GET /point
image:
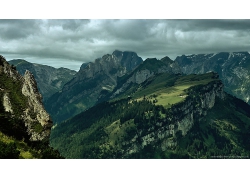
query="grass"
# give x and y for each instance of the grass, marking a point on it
(25, 151)
(116, 131)
(166, 89)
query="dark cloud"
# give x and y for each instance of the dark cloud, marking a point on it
(85, 40)
(16, 29)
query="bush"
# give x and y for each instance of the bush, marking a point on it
(8, 151)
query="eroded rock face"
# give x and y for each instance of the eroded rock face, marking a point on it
(35, 112)
(36, 119)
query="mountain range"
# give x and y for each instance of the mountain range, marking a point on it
(120, 106)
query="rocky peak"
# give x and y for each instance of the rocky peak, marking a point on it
(9, 70)
(35, 113)
(167, 60)
(30, 85)
(121, 61)
(128, 59)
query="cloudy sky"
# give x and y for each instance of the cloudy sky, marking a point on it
(69, 43)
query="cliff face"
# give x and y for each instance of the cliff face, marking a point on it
(35, 114)
(233, 69)
(21, 98)
(93, 80)
(181, 118)
(49, 79)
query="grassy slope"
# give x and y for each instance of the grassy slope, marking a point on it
(166, 89)
(26, 152)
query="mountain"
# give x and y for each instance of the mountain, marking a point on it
(149, 68)
(49, 79)
(168, 116)
(94, 80)
(24, 124)
(233, 69)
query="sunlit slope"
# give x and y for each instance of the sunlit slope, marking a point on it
(166, 89)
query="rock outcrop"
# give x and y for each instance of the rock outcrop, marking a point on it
(35, 108)
(21, 98)
(49, 79)
(7, 103)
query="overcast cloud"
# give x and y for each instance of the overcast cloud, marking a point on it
(69, 43)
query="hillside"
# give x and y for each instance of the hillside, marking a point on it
(180, 117)
(49, 79)
(24, 124)
(233, 69)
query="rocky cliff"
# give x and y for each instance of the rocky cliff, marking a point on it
(21, 98)
(94, 79)
(49, 79)
(233, 69)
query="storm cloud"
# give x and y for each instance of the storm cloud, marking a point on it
(69, 43)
